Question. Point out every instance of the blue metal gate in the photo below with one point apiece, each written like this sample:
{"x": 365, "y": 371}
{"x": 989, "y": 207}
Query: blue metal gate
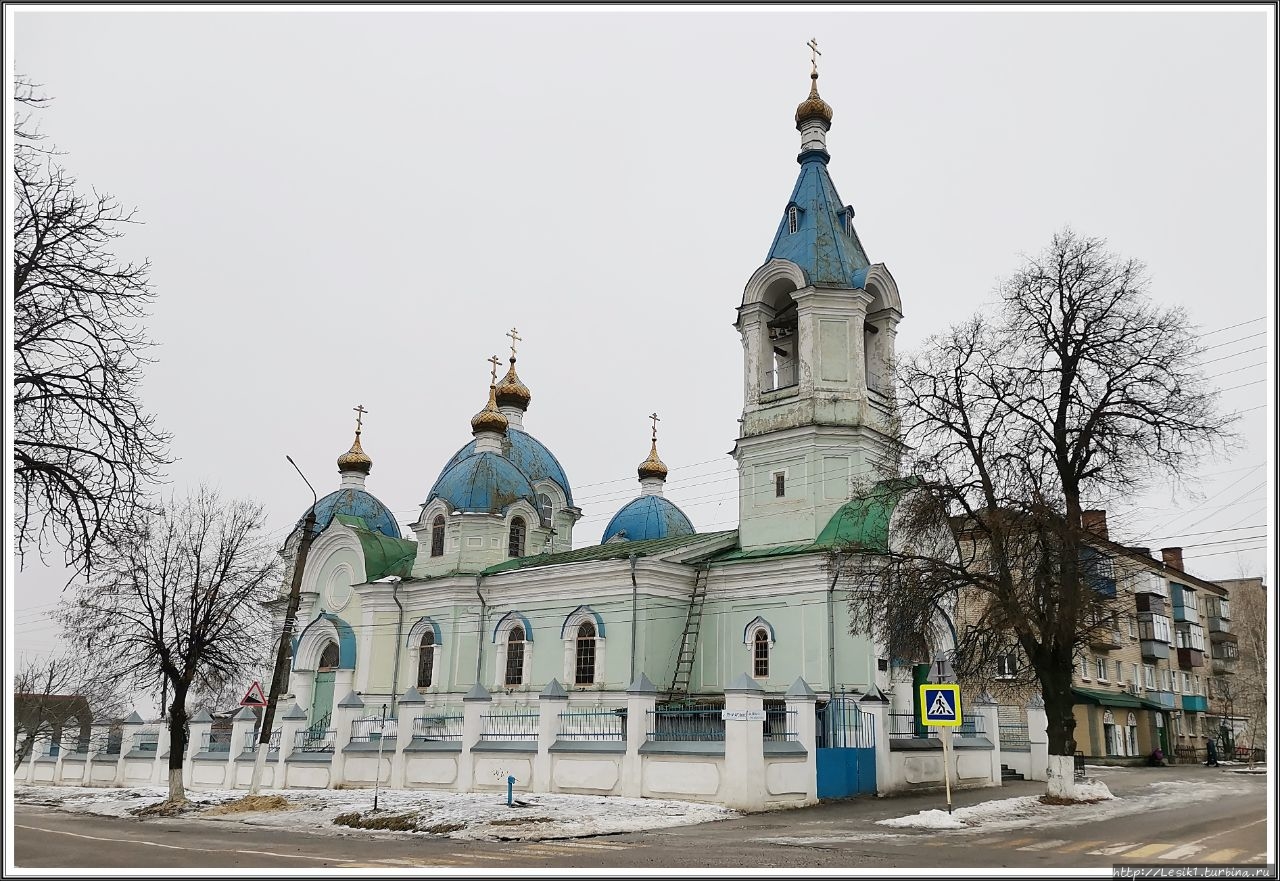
{"x": 846, "y": 749}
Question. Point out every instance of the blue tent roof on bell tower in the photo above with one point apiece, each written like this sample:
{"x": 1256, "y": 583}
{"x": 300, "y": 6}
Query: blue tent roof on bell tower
{"x": 824, "y": 245}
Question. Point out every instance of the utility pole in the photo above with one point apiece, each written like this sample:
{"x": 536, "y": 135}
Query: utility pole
{"x": 286, "y": 637}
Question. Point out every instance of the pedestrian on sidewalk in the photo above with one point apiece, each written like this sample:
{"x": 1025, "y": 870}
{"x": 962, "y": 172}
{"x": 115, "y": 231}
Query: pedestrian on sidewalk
{"x": 1212, "y": 748}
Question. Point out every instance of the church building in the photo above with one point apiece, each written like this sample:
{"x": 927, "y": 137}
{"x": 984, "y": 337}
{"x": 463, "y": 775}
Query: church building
{"x": 491, "y": 587}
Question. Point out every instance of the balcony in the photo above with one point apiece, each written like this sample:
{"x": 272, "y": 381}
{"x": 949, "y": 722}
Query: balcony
{"x": 1185, "y": 615}
{"x": 1195, "y": 703}
{"x": 1189, "y": 659}
{"x": 1163, "y": 698}
{"x": 1154, "y": 649}
{"x": 1149, "y": 602}
{"x": 1106, "y": 639}
{"x": 1223, "y": 666}
{"x": 1219, "y": 625}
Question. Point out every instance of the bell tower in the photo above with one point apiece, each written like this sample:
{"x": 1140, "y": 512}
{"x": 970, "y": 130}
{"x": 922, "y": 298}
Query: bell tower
{"x": 818, "y": 322}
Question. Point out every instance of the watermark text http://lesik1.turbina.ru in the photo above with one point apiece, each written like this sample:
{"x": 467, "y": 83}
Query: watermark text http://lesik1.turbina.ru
{"x": 1139, "y": 870}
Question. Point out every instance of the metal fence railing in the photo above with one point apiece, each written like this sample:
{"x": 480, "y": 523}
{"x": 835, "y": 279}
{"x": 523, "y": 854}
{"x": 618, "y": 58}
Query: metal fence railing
{"x": 701, "y": 724}
{"x": 904, "y": 725}
{"x": 146, "y": 741}
{"x": 251, "y": 741}
{"x": 1014, "y": 737}
{"x": 780, "y": 725}
{"x": 216, "y": 742}
{"x": 372, "y": 729}
{"x": 315, "y": 740}
{"x": 971, "y": 726}
{"x": 596, "y": 724}
{"x": 510, "y": 724}
{"x": 440, "y": 723}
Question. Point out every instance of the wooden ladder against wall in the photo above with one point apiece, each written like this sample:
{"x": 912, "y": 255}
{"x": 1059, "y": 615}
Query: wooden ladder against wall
{"x": 689, "y": 638}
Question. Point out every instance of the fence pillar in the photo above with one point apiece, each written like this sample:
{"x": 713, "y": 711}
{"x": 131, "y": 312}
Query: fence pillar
{"x": 987, "y": 709}
{"x": 243, "y": 723}
{"x": 160, "y": 765}
{"x": 642, "y": 698}
{"x": 200, "y": 726}
{"x": 347, "y": 711}
{"x": 1038, "y": 736}
{"x": 475, "y": 703}
{"x": 292, "y": 722}
{"x": 801, "y": 702}
{"x": 408, "y": 708}
{"x": 875, "y": 703}
{"x": 551, "y": 703}
{"x": 744, "y": 787}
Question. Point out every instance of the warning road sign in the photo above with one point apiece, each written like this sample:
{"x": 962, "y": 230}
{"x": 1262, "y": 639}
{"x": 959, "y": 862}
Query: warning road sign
{"x": 940, "y": 705}
{"x": 254, "y": 696}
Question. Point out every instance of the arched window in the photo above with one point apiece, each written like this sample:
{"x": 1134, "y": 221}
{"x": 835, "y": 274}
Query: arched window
{"x": 545, "y": 508}
{"x": 760, "y": 652}
{"x": 584, "y": 670}
{"x": 793, "y": 219}
{"x": 329, "y": 657}
{"x": 515, "y": 657}
{"x": 437, "y": 536}
{"x": 515, "y": 540}
{"x": 426, "y": 658}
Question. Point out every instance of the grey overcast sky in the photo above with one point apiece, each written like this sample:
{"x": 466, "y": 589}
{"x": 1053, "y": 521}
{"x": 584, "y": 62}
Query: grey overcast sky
{"x": 351, "y": 206}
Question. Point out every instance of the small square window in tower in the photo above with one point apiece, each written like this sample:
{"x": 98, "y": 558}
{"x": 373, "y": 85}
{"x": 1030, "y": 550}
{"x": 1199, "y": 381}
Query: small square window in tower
{"x": 780, "y": 485}
{"x": 585, "y": 666}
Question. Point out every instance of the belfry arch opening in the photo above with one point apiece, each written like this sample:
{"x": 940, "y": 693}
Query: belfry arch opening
{"x": 781, "y": 362}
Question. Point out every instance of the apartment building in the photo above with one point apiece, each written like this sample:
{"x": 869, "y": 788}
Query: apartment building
{"x": 1238, "y": 660}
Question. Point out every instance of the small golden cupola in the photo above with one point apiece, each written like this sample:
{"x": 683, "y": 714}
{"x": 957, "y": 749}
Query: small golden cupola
{"x": 813, "y": 107}
{"x": 653, "y": 467}
{"x": 490, "y": 418}
{"x": 356, "y": 459}
{"x": 511, "y": 392}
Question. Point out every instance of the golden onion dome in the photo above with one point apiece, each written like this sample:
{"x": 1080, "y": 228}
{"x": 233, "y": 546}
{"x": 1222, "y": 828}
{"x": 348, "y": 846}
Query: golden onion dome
{"x": 355, "y": 459}
{"x": 652, "y": 466}
{"x": 511, "y": 391}
{"x": 490, "y": 418}
{"x": 813, "y": 107}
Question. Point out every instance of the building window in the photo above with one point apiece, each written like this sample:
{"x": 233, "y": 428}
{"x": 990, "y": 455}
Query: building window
{"x": 1119, "y": 673}
{"x": 1134, "y": 670}
{"x": 426, "y": 658}
{"x": 584, "y": 668}
{"x": 1007, "y": 665}
{"x": 515, "y": 657}
{"x": 779, "y": 485}
{"x": 437, "y": 536}
{"x": 329, "y": 657}
{"x": 1084, "y": 668}
{"x": 793, "y": 219}
{"x": 515, "y": 539}
{"x": 545, "y": 508}
{"x": 1100, "y": 666}
{"x": 1149, "y": 676}
{"x": 1133, "y": 627}
{"x": 760, "y": 653}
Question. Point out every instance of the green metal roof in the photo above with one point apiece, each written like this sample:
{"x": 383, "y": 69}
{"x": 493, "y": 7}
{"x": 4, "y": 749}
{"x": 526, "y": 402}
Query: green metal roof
{"x": 619, "y": 550}
{"x": 383, "y": 555}
{"x": 864, "y": 522}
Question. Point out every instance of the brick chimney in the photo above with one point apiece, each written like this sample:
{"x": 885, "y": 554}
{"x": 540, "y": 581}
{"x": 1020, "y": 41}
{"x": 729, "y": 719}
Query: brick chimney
{"x": 1172, "y": 557}
{"x": 1095, "y": 522}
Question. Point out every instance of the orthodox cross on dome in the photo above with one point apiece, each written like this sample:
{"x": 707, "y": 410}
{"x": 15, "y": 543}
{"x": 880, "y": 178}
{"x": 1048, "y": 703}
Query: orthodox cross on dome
{"x": 813, "y": 47}
{"x": 360, "y": 411}
{"x": 493, "y": 374}
{"x": 515, "y": 338}
{"x": 654, "y": 418}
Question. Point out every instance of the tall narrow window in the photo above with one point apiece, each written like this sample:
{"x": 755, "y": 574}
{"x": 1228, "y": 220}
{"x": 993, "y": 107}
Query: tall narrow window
{"x": 437, "y": 536}
{"x": 779, "y": 485}
{"x": 585, "y": 665}
{"x": 760, "y": 652}
{"x": 515, "y": 657}
{"x": 329, "y": 657}
{"x": 426, "y": 658}
{"x": 515, "y": 539}
{"x": 793, "y": 219}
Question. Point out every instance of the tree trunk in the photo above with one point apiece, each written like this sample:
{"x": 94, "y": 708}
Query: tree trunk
{"x": 1055, "y": 686}
{"x": 177, "y": 743}
{"x": 24, "y": 750}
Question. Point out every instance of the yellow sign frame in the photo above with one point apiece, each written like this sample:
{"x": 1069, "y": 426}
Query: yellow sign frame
{"x": 935, "y": 688}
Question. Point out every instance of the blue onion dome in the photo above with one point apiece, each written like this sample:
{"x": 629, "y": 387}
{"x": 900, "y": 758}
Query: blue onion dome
{"x": 528, "y": 454}
{"x": 356, "y": 503}
{"x": 485, "y": 483}
{"x": 490, "y": 418}
{"x": 648, "y": 517}
{"x": 511, "y": 391}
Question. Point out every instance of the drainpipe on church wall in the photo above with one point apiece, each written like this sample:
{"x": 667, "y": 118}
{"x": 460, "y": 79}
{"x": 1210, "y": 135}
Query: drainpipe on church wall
{"x": 634, "y": 597}
{"x": 831, "y": 633}
{"x": 480, "y": 629}
{"x": 395, "y": 667}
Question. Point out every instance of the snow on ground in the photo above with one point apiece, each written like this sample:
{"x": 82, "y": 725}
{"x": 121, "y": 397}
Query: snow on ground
{"x": 545, "y": 816}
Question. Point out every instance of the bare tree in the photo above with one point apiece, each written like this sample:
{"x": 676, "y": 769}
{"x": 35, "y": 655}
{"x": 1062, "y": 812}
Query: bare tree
{"x": 179, "y": 602}
{"x": 56, "y": 694}
{"x": 1076, "y": 390}
{"x": 84, "y": 449}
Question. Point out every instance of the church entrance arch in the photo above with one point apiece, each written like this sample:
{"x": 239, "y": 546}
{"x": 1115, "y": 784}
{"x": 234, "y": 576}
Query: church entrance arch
{"x": 322, "y": 694}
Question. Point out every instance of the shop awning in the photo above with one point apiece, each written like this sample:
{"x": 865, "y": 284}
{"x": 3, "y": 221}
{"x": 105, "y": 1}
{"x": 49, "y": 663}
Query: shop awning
{"x": 1113, "y": 699}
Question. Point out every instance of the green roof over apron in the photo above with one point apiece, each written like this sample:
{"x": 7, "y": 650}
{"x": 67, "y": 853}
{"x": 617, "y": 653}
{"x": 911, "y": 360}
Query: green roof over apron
{"x": 383, "y": 555}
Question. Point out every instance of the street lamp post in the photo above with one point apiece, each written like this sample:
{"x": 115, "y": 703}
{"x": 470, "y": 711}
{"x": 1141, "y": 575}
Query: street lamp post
{"x": 286, "y": 637}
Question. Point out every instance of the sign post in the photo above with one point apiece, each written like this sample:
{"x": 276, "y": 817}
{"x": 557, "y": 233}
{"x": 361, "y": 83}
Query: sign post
{"x": 940, "y": 708}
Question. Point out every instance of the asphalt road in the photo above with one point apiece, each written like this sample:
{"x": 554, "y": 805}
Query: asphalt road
{"x": 831, "y": 836}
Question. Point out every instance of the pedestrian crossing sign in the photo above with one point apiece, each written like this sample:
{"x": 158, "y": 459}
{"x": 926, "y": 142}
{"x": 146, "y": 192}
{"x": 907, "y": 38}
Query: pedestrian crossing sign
{"x": 940, "y": 705}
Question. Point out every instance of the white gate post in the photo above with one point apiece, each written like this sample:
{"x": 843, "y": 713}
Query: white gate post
{"x": 745, "y": 788}
{"x": 474, "y": 705}
{"x": 553, "y": 700}
{"x": 409, "y": 706}
{"x": 877, "y": 705}
{"x": 801, "y": 702}
{"x": 642, "y": 699}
